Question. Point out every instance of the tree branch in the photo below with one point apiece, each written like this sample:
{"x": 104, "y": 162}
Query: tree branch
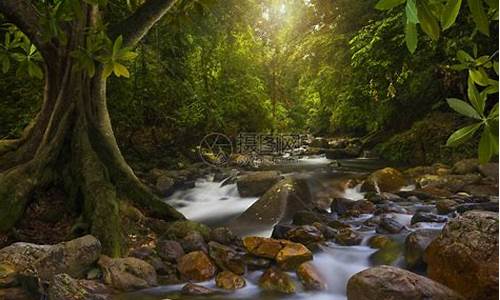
{"x": 138, "y": 24}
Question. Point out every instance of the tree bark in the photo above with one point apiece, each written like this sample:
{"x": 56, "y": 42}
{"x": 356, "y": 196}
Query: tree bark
{"x": 72, "y": 141}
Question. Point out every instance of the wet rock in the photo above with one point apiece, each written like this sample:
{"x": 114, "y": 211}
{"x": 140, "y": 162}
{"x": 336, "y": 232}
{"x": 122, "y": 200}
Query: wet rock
{"x": 168, "y": 274}
{"x": 446, "y": 206}
{"x": 336, "y": 224}
{"x": 389, "y": 254}
{"x": 196, "y": 266}
{"x": 489, "y": 170}
{"x": 481, "y": 189}
{"x": 327, "y": 231}
{"x": 451, "y": 183}
{"x": 342, "y": 153}
{"x": 363, "y": 206}
{"x": 292, "y": 255}
{"x": 229, "y": 281}
{"x": 389, "y": 225}
{"x": 379, "y": 241}
{"x": 486, "y": 206}
{"x": 64, "y": 287}
{"x": 464, "y": 256}
{"x": 415, "y": 245}
{"x": 386, "y": 282}
{"x": 305, "y": 234}
{"x": 310, "y": 278}
{"x": 164, "y": 185}
{"x": 196, "y": 290}
{"x": 427, "y": 217}
{"x": 277, "y": 281}
{"x": 390, "y": 208}
{"x": 169, "y": 250}
{"x": 179, "y": 229}
{"x": 307, "y": 217}
{"x": 319, "y": 142}
{"x": 341, "y": 205}
{"x": 44, "y": 261}
{"x": 226, "y": 258}
{"x": 280, "y": 231}
{"x": 384, "y": 180}
{"x": 466, "y": 166}
{"x": 420, "y": 194}
{"x": 263, "y": 247}
{"x": 194, "y": 241}
{"x": 225, "y": 236}
{"x": 256, "y": 183}
{"x": 348, "y": 237}
{"x": 256, "y": 263}
{"x": 8, "y": 275}
{"x": 127, "y": 274}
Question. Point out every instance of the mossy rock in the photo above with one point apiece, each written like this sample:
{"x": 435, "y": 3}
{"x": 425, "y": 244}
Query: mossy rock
{"x": 180, "y": 229}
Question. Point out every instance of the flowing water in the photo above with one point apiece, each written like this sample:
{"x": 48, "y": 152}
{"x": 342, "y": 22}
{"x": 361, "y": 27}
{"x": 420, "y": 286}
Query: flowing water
{"x": 215, "y": 204}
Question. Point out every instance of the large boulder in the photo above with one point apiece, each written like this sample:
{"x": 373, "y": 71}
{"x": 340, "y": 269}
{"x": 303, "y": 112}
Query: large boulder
{"x": 415, "y": 245}
{"x": 278, "y": 205}
{"x": 74, "y": 258}
{"x": 386, "y": 282}
{"x": 196, "y": 266}
{"x": 127, "y": 274}
{"x": 464, "y": 256}
{"x": 384, "y": 180}
{"x": 256, "y": 183}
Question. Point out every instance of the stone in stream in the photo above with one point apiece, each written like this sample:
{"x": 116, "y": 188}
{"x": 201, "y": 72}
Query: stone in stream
{"x": 292, "y": 255}
{"x": 196, "y": 290}
{"x": 194, "y": 241}
{"x": 280, "y": 231}
{"x": 466, "y": 166}
{"x": 263, "y": 247}
{"x": 229, "y": 281}
{"x": 415, "y": 245}
{"x": 427, "y": 218}
{"x": 225, "y": 236}
{"x": 386, "y": 282}
{"x": 127, "y": 274}
{"x": 379, "y": 241}
{"x": 446, "y": 206}
{"x": 278, "y": 205}
{"x": 310, "y": 278}
{"x": 348, "y": 237}
{"x": 164, "y": 185}
{"x": 384, "y": 180}
{"x": 226, "y": 258}
{"x": 64, "y": 287}
{"x": 256, "y": 263}
{"x": 388, "y": 254}
{"x": 169, "y": 250}
{"x": 305, "y": 234}
{"x": 196, "y": 266}
{"x": 327, "y": 231}
{"x": 389, "y": 225}
{"x": 277, "y": 281}
{"x": 256, "y": 183}
{"x": 179, "y": 229}
{"x": 465, "y": 255}
{"x": 308, "y": 217}
{"x": 487, "y": 206}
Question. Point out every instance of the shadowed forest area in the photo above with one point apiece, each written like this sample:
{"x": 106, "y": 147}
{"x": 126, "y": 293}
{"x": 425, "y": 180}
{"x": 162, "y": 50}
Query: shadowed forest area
{"x": 248, "y": 149}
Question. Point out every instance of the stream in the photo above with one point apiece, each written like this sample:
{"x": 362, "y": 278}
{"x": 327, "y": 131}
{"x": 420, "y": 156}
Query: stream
{"x": 215, "y": 204}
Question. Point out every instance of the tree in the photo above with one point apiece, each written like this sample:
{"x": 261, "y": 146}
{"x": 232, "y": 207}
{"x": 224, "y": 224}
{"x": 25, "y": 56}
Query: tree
{"x": 71, "y": 140}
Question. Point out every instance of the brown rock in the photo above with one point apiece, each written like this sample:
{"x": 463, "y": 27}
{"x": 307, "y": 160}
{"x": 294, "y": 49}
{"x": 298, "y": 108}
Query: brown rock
{"x": 226, "y": 258}
{"x": 379, "y": 241}
{"x": 464, "y": 256}
{"x": 292, "y": 255}
{"x": 169, "y": 250}
{"x": 257, "y": 183}
{"x": 196, "y": 266}
{"x": 127, "y": 274}
{"x": 386, "y": 282}
{"x": 384, "y": 180}
{"x": 446, "y": 206}
{"x": 229, "y": 281}
{"x": 305, "y": 234}
{"x": 275, "y": 280}
{"x": 196, "y": 290}
{"x": 310, "y": 278}
{"x": 15, "y": 294}
{"x": 263, "y": 247}
{"x": 348, "y": 237}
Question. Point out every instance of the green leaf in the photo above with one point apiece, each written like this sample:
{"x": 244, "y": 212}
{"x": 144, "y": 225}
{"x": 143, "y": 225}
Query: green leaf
{"x": 463, "y": 108}
{"x": 120, "y": 70}
{"x": 464, "y": 57}
{"x": 117, "y": 45}
{"x": 479, "y": 76}
{"x": 411, "y": 11}
{"x": 428, "y": 22}
{"x": 493, "y": 112}
{"x": 485, "y": 146}
{"x": 495, "y": 67}
{"x": 479, "y": 16}
{"x": 491, "y": 89}
{"x": 459, "y": 67}
{"x": 462, "y": 135}
{"x": 474, "y": 96}
{"x": 388, "y": 4}
{"x": 450, "y": 13}
{"x": 5, "y": 64}
{"x": 482, "y": 60}
{"x": 108, "y": 69}
{"x": 411, "y": 36}
{"x": 34, "y": 70}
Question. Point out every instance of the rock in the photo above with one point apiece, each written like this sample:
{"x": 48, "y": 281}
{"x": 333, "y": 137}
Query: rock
{"x": 179, "y": 229}
{"x": 427, "y": 217}
{"x": 464, "y": 256}
{"x": 310, "y": 278}
{"x": 386, "y": 282}
{"x": 229, "y": 281}
{"x": 15, "y": 294}
{"x": 453, "y": 183}
{"x": 194, "y": 241}
{"x": 225, "y": 236}
{"x": 327, "y": 231}
{"x": 384, "y": 180}
{"x": 292, "y": 255}
{"x": 278, "y": 205}
{"x": 446, "y": 206}
{"x": 305, "y": 234}
{"x": 389, "y": 254}
{"x": 307, "y": 217}
{"x": 164, "y": 185}
{"x": 489, "y": 170}
{"x": 196, "y": 290}
{"x": 481, "y": 189}
{"x": 341, "y": 205}
{"x": 348, "y": 237}
{"x": 389, "y": 225}
{"x": 342, "y": 153}
{"x": 196, "y": 266}
{"x": 363, "y": 206}
{"x": 226, "y": 258}
{"x": 379, "y": 241}
{"x": 390, "y": 208}
{"x": 127, "y": 274}
{"x": 263, "y": 247}
{"x": 319, "y": 142}
{"x": 8, "y": 275}
{"x": 466, "y": 166}
{"x": 44, "y": 261}
{"x": 64, "y": 287}
{"x": 486, "y": 206}
{"x": 255, "y": 184}
{"x": 280, "y": 231}
{"x": 277, "y": 281}
{"x": 169, "y": 250}
{"x": 415, "y": 245}
{"x": 168, "y": 274}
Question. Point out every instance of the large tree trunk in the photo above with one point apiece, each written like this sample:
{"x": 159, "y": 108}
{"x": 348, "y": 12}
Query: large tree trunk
{"x": 72, "y": 142}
